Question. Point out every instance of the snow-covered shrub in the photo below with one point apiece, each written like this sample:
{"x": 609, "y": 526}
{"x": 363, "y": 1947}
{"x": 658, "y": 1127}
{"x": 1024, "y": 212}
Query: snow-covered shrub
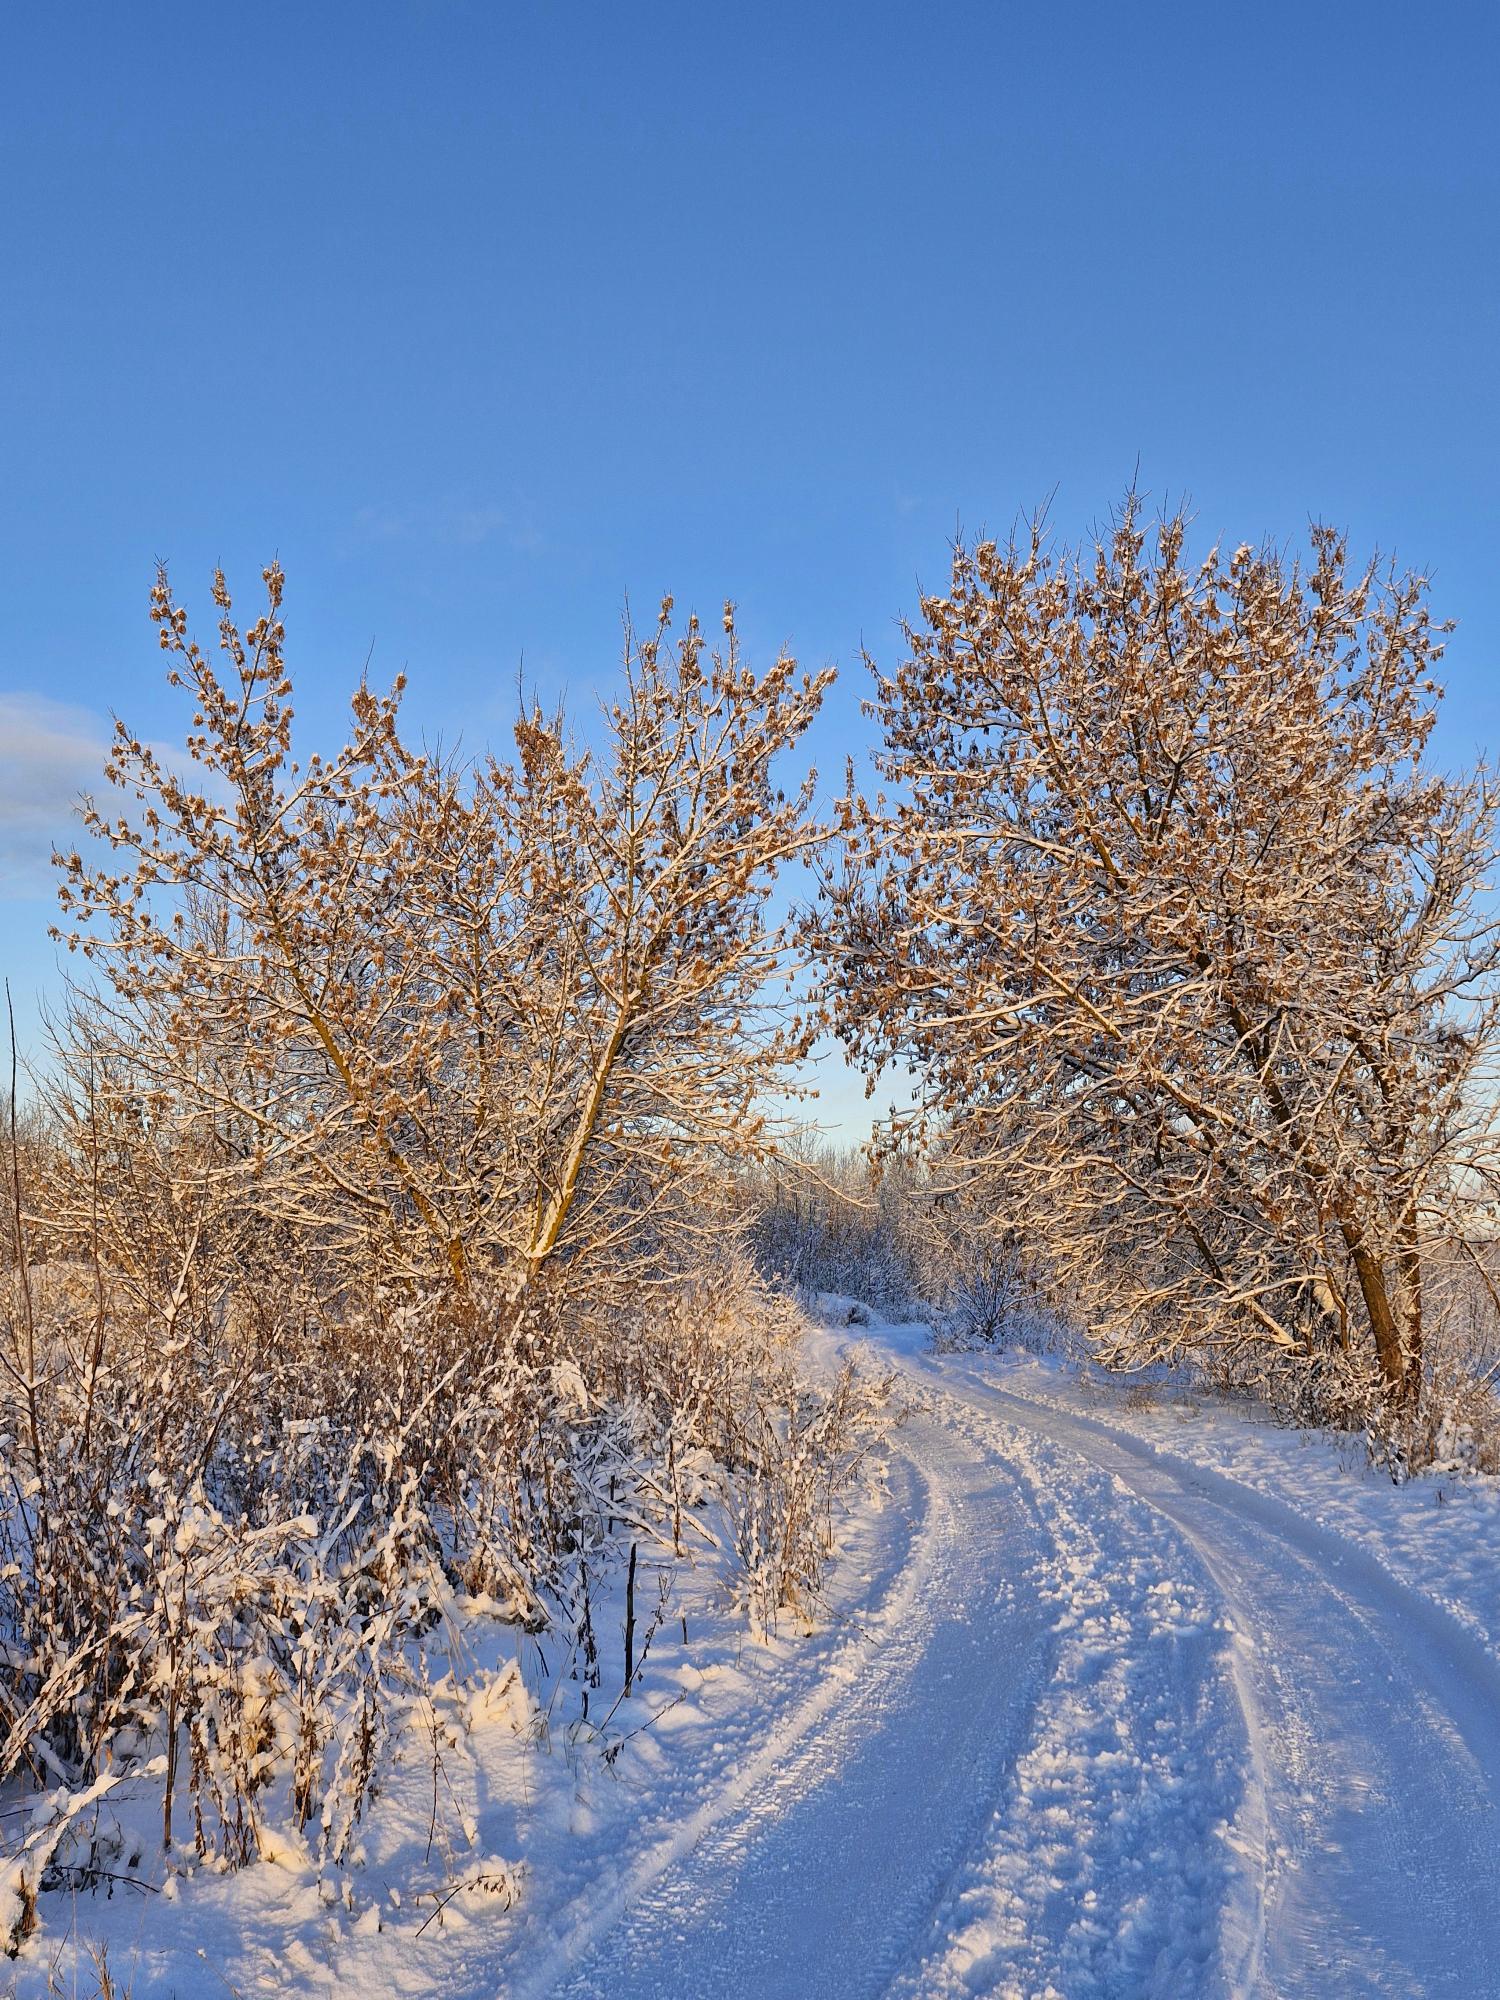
{"x": 166, "y": 1590}
{"x": 1322, "y": 1389}
{"x": 725, "y": 1412}
{"x": 800, "y": 1457}
{"x": 231, "y": 1529}
{"x": 1453, "y": 1427}
{"x": 244, "y": 1665}
{"x": 981, "y": 1291}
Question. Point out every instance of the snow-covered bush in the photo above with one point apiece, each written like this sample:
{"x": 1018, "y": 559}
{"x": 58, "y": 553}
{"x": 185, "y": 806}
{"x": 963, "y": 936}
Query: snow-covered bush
{"x": 983, "y": 1298}
{"x": 799, "y": 1457}
{"x": 727, "y": 1413}
{"x": 1453, "y": 1427}
{"x": 221, "y": 1582}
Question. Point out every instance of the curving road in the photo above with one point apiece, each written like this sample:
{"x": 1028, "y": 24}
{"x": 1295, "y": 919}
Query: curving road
{"x": 1123, "y": 1728}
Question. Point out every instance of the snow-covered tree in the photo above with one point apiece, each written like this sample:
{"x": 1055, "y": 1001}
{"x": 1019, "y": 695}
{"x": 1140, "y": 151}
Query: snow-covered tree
{"x": 383, "y": 1232}
{"x": 1184, "y": 936}
{"x": 457, "y": 1025}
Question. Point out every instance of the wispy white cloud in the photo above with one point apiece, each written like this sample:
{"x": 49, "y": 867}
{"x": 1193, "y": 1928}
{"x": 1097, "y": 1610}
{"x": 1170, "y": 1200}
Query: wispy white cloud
{"x": 472, "y": 526}
{"x": 448, "y": 526}
{"x": 50, "y": 753}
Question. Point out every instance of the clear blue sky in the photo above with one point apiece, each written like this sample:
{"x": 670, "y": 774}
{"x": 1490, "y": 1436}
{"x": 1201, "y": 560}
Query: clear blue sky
{"x": 482, "y": 316}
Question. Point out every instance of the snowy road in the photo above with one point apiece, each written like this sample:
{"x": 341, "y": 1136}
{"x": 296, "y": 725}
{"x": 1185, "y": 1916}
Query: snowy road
{"x": 1375, "y": 1727}
{"x": 830, "y": 1859}
{"x": 1124, "y": 1728}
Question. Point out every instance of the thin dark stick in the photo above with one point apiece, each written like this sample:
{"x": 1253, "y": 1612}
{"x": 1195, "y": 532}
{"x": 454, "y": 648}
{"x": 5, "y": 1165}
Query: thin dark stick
{"x": 630, "y": 1621}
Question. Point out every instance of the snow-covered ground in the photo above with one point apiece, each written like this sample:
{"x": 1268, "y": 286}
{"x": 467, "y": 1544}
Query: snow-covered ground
{"x": 1109, "y": 1700}
{"x": 1367, "y": 1834}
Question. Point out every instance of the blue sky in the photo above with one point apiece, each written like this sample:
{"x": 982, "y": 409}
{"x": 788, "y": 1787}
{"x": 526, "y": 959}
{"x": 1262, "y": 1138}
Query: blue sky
{"x": 482, "y": 317}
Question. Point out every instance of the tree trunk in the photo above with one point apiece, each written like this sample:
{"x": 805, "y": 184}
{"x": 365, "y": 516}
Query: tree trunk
{"x": 1400, "y": 1373}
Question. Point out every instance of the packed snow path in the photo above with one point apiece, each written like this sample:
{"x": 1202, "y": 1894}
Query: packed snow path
{"x": 827, "y": 1862}
{"x": 1373, "y": 1792}
{"x": 1126, "y": 1728}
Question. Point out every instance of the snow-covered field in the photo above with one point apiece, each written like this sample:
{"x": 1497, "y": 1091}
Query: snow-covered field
{"x": 1110, "y": 1699}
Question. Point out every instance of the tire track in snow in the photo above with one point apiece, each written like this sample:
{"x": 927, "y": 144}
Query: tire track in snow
{"x": 812, "y": 1874}
{"x": 1375, "y": 1723}
{"x": 1114, "y": 1862}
